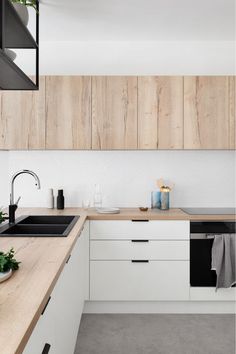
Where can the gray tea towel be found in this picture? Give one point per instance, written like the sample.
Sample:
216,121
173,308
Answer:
223,260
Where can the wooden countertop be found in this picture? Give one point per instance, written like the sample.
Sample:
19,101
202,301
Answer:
155,214
24,295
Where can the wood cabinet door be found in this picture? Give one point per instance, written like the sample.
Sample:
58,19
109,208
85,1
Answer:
160,112
114,112
209,112
22,119
68,112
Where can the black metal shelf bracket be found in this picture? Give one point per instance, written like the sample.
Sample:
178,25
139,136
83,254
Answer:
14,34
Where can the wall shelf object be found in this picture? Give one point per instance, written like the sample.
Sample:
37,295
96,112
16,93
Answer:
15,35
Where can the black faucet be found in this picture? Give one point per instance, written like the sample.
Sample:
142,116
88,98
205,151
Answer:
14,205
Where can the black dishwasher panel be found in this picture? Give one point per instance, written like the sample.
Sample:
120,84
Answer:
200,263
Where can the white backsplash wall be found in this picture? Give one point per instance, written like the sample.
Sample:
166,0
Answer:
4,178
202,178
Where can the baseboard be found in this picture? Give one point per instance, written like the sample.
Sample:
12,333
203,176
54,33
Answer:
159,307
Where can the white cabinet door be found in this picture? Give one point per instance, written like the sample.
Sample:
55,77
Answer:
43,334
69,295
131,249
128,229
127,281
59,325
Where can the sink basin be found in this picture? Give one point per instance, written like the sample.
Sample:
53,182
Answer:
47,219
40,226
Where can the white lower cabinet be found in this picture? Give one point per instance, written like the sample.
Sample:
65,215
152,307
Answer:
139,260
42,340
141,281
56,330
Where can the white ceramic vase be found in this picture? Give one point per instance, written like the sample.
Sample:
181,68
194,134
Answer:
23,12
6,275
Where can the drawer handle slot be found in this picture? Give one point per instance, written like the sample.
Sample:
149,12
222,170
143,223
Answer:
68,259
140,220
46,305
46,348
140,261
139,240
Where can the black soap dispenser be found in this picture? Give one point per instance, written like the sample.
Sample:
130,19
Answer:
60,199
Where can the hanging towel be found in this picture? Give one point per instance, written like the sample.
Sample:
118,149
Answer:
223,260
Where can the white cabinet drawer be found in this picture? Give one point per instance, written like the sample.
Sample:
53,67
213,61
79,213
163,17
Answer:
128,229
127,250
127,281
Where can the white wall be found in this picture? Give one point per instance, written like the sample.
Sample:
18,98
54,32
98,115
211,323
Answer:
4,173
202,178
133,58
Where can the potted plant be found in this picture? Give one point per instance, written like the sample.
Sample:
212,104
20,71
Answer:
7,264
2,216
21,7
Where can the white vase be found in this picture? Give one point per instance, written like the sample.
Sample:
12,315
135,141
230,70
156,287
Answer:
22,12
4,276
10,53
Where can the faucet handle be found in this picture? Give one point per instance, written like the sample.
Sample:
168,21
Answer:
18,201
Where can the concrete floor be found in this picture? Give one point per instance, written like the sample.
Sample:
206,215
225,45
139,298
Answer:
156,334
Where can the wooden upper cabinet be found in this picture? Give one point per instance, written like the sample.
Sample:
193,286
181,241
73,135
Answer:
22,119
114,112
68,112
232,112
160,112
209,116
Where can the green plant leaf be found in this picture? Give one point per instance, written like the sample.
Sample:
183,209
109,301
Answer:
7,261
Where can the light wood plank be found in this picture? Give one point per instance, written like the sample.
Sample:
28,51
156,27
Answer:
68,112
114,112
232,93
207,112
160,112
22,119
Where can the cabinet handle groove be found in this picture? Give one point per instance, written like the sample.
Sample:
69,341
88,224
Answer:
139,220
68,259
46,348
140,261
46,305
139,240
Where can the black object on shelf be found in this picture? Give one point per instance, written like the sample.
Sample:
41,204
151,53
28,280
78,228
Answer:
60,199
14,34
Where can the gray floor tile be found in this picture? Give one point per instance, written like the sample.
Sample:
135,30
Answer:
156,334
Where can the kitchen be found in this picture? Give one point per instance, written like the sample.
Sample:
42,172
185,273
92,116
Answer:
113,110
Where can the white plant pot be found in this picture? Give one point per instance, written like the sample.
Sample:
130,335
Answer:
22,12
6,275
10,53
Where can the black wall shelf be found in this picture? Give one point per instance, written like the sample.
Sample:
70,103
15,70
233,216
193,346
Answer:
14,34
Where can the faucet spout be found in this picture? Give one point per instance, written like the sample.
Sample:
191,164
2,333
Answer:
37,182
13,205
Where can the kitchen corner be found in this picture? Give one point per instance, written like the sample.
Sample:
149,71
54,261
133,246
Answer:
43,260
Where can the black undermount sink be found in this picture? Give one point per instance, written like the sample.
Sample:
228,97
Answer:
40,226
